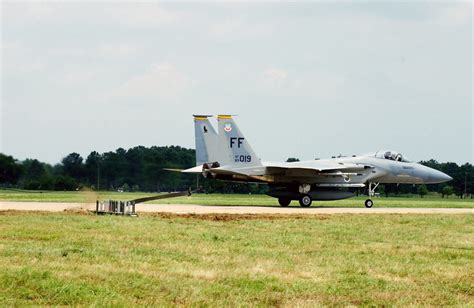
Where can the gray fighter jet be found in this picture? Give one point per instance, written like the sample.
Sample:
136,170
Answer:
227,155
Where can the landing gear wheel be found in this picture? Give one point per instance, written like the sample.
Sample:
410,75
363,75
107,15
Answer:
369,203
305,201
284,201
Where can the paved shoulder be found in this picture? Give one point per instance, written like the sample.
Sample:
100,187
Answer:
44,206
211,209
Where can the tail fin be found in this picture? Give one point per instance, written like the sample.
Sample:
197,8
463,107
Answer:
228,148
235,149
206,140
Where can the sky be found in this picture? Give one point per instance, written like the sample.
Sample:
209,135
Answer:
306,79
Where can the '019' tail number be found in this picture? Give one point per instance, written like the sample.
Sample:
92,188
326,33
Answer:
243,158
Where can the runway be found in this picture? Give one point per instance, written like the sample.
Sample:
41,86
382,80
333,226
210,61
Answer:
211,209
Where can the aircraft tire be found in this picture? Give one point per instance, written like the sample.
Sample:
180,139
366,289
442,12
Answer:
284,201
305,201
369,203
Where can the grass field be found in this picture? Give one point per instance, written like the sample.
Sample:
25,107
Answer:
235,199
72,259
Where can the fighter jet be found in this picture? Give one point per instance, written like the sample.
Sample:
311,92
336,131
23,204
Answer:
226,155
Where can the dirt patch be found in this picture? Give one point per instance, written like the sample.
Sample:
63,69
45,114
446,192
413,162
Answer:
209,217
234,217
77,210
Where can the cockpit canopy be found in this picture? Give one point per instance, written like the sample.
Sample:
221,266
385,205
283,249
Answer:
392,155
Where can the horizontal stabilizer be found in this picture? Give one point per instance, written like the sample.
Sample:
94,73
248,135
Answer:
226,171
197,169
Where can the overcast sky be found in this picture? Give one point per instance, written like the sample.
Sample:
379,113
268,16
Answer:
306,79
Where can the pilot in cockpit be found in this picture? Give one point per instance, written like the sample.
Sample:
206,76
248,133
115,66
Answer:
393,156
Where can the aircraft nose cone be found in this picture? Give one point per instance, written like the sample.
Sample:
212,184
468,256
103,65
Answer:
436,176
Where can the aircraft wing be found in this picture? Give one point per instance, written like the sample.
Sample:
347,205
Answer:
304,169
315,169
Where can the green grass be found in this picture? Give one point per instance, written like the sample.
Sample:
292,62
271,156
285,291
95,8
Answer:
66,259
234,199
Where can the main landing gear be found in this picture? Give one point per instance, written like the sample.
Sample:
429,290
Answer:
305,201
284,201
302,196
371,192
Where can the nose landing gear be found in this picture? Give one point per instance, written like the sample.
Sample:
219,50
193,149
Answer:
371,192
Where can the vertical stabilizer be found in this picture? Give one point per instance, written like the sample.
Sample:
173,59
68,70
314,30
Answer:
233,146
206,140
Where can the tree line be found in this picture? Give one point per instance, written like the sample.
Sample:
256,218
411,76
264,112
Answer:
136,169
142,169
